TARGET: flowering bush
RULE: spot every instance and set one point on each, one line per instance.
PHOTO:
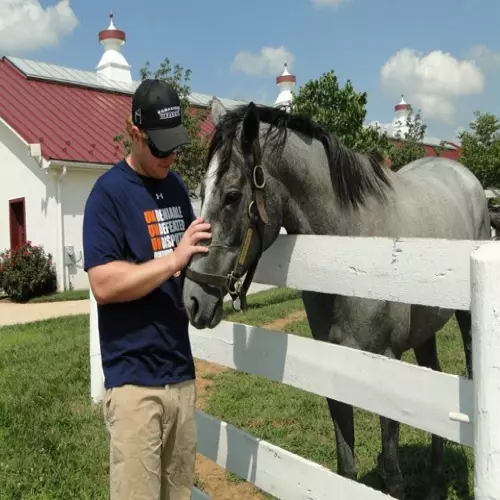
(27, 272)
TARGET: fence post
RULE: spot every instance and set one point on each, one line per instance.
(96, 373)
(485, 309)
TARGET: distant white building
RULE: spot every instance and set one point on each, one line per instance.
(398, 129)
(403, 115)
(285, 82)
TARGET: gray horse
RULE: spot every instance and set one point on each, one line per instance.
(268, 169)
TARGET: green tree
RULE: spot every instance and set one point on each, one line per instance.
(189, 162)
(481, 149)
(409, 147)
(341, 110)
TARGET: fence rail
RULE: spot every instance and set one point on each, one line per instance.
(492, 193)
(435, 402)
(441, 273)
(410, 270)
(272, 469)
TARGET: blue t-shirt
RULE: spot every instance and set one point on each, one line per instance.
(136, 218)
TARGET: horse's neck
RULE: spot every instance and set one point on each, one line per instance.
(308, 199)
(306, 196)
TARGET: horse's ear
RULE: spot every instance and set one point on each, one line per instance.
(218, 110)
(249, 128)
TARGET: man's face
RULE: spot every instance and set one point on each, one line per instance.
(150, 165)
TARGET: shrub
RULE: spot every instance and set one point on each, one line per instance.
(27, 272)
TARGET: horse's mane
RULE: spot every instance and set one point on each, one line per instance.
(354, 175)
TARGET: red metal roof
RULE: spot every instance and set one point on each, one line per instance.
(71, 123)
(74, 123)
(453, 152)
(207, 127)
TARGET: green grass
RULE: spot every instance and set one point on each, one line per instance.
(62, 296)
(299, 422)
(53, 443)
(266, 306)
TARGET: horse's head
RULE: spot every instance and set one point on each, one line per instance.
(238, 200)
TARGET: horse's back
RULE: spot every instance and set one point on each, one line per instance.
(440, 198)
(448, 197)
(444, 171)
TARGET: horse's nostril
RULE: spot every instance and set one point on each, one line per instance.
(194, 306)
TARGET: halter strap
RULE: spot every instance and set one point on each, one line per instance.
(259, 218)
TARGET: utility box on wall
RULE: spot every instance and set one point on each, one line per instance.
(69, 255)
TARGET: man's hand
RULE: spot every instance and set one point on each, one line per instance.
(121, 281)
(188, 246)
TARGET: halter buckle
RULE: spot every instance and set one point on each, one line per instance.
(233, 284)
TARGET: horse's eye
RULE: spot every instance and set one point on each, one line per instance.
(232, 197)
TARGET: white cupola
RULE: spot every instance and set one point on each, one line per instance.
(113, 64)
(399, 124)
(285, 82)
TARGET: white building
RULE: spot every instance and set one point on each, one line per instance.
(56, 137)
(398, 129)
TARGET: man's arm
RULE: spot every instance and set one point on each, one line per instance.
(111, 277)
(122, 281)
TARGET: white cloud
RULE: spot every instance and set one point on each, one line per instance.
(25, 25)
(431, 82)
(328, 3)
(484, 57)
(269, 61)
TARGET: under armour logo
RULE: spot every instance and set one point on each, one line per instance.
(159, 196)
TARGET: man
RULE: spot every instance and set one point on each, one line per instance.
(139, 233)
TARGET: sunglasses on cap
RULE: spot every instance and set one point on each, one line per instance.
(156, 152)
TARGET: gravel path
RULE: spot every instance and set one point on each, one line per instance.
(11, 314)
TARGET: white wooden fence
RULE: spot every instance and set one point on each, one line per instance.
(492, 193)
(443, 273)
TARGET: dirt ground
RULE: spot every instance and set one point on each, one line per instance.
(280, 323)
(214, 479)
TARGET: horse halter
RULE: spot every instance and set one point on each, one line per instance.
(232, 282)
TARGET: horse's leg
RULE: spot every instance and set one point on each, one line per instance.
(388, 460)
(343, 420)
(319, 309)
(427, 357)
(464, 322)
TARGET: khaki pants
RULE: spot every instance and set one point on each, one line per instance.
(152, 441)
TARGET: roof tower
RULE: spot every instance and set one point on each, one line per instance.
(113, 64)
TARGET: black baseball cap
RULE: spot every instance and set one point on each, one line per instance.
(156, 109)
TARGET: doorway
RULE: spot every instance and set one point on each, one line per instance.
(17, 221)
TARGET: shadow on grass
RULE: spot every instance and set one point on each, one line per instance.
(415, 462)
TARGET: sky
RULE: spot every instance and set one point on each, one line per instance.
(443, 55)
